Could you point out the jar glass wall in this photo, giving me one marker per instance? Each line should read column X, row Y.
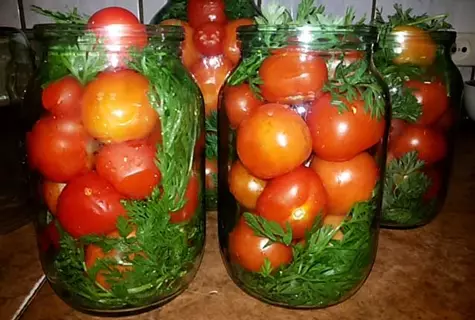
column 300, row 203
column 426, row 90
column 210, row 52
column 117, row 165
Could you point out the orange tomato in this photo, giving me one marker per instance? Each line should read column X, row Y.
column 231, row 47
column 415, row 46
column 115, row 107
column 51, row 192
column 189, row 53
column 295, row 198
column 244, row 186
column 274, row 140
column 347, row 182
column 239, row 102
column 210, row 74
column 291, row 76
column 335, row 222
column 251, row 251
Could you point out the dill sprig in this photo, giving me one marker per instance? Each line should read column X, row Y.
column 69, row 17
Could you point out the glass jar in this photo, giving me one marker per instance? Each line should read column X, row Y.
column 210, row 58
column 120, row 173
column 426, row 89
column 16, row 69
column 299, row 208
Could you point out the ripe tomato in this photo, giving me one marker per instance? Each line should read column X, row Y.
column 432, row 96
column 345, row 58
column 115, row 107
column 435, row 176
column 208, row 39
column 203, row 11
column 291, row 76
column 189, row 53
column 297, row 198
column 272, row 141
column 429, row 143
column 211, row 171
column 95, row 253
column 347, row 182
column 62, row 97
column 335, row 222
column 130, row 168
column 244, row 186
column 89, row 205
column 415, row 46
column 341, row 136
column 60, row 148
column 155, row 136
column 51, row 191
column 397, row 128
column 251, row 251
column 231, row 48
column 192, row 201
column 239, row 102
column 210, row 74
column 446, row 121
column 49, row 237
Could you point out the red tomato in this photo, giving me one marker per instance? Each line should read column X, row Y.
column 210, row 74
column 208, row 39
column 244, row 186
column 435, row 177
column 192, row 201
column 155, row 136
column 203, row 11
column 60, row 148
column 297, row 198
column 335, row 222
column 274, row 140
column 433, row 98
column 430, row 144
column 341, row 136
column 347, row 182
column 251, row 251
column 95, row 253
column 446, row 121
column 211, row 171
column 129, row 167
column 49, row 237
column 232, row 49
column 239, row 102
column 397, row 128
column 89, row 205
column 345, row 58
column 51, row 191
column 292, row 77
column 189, row 53
column 115, row 107
column 414, row 46
column 62, row 97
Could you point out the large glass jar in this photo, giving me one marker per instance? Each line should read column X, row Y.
column 120, row 173
column 299, row 208
column 210, row 52
column 426, row 89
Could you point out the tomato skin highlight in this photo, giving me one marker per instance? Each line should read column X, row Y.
column 292, row 77
column 416, row 46
column 251, row 251
column 51, row 192
column 130, row 168
column 273, row 141
column 203, row 11
column 296, row 198
column 430, row 144
column 340, row 137
column 59, row 148
column 231, row 46
column 211, row 173
column 192, row 202
column 433, row 99
column 244, row 186
column 208, row 39
column 62, row 97
column 347, row 182
column 115, row 107
column 89, row 205
column 239, row 102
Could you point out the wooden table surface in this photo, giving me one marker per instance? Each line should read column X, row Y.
column 426, row 273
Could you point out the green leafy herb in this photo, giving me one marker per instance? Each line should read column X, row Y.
column 404, row 188
column 269, row 229
column 175, row 9
column 69, row 17
column 237, row 9
column 323, row 270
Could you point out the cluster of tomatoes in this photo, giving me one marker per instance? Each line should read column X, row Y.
column 210, row 51
column 95, row 146
column 299, row 155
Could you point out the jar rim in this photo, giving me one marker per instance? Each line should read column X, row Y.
column 51, row 31
column 439, row 36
